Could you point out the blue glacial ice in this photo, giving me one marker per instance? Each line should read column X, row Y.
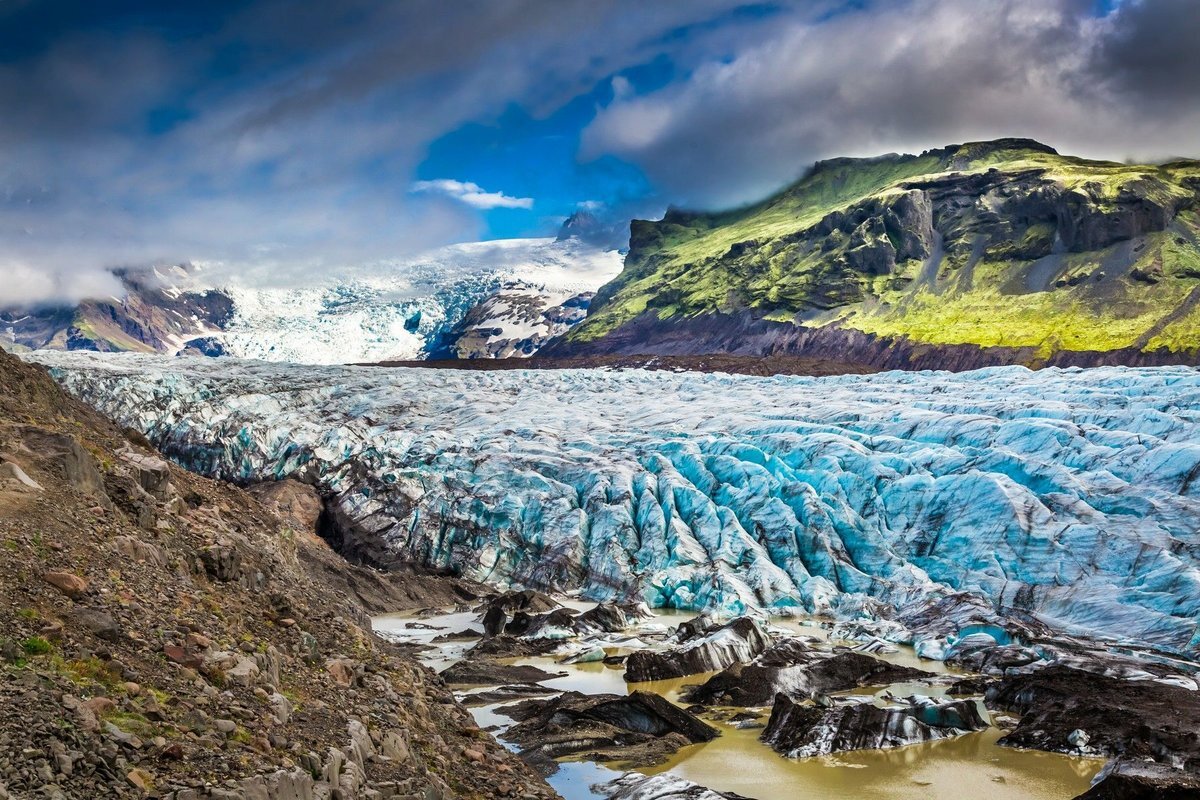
column 1072, row 495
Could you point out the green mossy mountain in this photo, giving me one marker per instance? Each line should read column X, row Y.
column 998, row 252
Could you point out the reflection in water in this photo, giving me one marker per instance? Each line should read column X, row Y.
column 970, row 766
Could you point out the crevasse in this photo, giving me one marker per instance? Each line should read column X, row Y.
column 1070, row 494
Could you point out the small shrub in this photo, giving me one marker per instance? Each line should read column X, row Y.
column 36, row 646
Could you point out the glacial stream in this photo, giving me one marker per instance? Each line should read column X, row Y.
column 972, row 765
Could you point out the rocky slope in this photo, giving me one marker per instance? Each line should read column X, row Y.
column 166, row 635
column 933, row 501
column 515, row 322
column 972, row 255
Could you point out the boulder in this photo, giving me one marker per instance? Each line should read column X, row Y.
column 153, row 474
column 10, row 471
column 792, row 667
column 70, row 584
column 701, row 648
column 641, row 728
column 96, row 622
column 801, row 731
column 140, row 551
column 604, row 618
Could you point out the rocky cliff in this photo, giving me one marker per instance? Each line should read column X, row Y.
column 171, row 636
column 971, row 255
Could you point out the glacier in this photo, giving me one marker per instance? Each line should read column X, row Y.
column 405, row 310
column 1071, row 496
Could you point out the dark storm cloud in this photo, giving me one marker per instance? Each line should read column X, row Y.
column 1150, row 56
column 913, row 74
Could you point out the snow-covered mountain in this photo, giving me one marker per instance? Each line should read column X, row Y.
column 407, row 309
column 1070, row 496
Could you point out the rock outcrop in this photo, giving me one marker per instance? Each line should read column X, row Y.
column 791, row 667
column 800, row 731
column 1131, row 719
column 1140, row 780
column 700, row 646
column 639, row 729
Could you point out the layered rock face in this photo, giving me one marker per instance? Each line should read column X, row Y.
column 966, row 256
column 641, row 728
column 1069, row 495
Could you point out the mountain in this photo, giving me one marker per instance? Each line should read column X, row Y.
column 154, row 315
column 970, row 255
column 411, row 309
column 167, row 635
column 408, row 309
column 516, row 321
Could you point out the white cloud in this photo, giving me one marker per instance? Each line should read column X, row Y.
column 907, row 75
column 28, row 284
column 472, row 194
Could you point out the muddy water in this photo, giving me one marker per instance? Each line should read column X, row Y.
column 968, row 766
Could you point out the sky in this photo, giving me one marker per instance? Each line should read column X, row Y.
column 295, row 136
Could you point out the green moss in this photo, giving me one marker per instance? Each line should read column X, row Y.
column 769, row 258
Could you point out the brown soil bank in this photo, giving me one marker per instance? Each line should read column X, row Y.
column 743, row 335
column 718, row 362
column 170, row 636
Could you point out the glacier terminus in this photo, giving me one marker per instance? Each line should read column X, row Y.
column 1062, row 498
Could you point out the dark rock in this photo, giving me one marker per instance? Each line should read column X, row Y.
column 494, row 621
column 967, row 687
column 700, row 649
column 1140, row 780
column 800, row 731
column 506, row 694
column 533, row 626
column 1144, row 719
column 510, row 647
column 604, row 618
column 793, row 668
column 98, row 623
column 221, row 562
column 485, row 673
column 642, row 728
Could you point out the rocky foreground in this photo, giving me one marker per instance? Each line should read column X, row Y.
column 165, row 635
column 815, row 697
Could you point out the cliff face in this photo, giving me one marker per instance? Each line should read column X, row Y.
column 166, row 635
column 992, row 252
